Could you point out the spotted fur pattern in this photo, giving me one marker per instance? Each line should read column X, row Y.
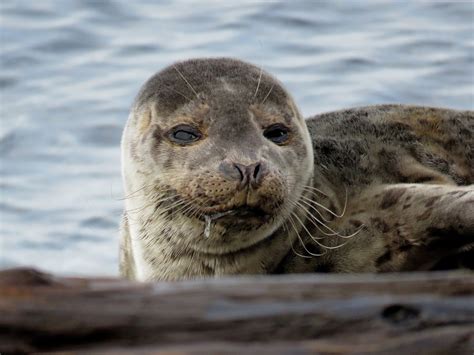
column 408, row 172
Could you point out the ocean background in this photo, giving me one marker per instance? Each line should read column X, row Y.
column 69, row 71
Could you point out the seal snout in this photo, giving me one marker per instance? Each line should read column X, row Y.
column 251, row 174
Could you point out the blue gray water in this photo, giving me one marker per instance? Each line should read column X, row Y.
column 69, row 71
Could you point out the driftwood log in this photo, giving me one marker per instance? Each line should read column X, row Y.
column 412, row 313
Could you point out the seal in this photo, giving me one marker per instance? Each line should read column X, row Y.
column 222, row 176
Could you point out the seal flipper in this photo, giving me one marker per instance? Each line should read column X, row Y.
column 420, row 225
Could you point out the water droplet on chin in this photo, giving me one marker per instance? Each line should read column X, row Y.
column 207, row 228
column 208, row 220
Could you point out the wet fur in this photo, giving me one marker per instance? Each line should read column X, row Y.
column 406, row 171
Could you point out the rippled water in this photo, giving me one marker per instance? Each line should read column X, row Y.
column 70, row 69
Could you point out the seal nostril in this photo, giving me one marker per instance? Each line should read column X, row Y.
column 232, row 171
column 256, row 171
column 239, row 169
column 245, row 174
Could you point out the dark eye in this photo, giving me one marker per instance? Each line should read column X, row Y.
column 184, row 134
column 277, row 133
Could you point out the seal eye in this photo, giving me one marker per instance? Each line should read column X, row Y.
column 277, row 133
column 184, row 134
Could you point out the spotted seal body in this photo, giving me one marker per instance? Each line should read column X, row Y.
column 223, row 176
column 408, row 173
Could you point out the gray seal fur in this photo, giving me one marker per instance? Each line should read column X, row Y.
column 381, row 188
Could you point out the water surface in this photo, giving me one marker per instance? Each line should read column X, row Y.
column 69, row 71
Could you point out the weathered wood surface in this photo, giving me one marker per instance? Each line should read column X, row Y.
column 417, row 313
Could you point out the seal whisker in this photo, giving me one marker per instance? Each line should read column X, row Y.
column 345, row 202
column 153, row 202
column 188, row 210
column 268, row 94
column 307, row 187
column 314, row 220
column 139, row 209
column 315, row 239
column 315, row 209
column 180, row 93
column 290, row 218
column 197, row 209
column 258, row 83
column 334, row 233
column 353, row 234
column 317, row 219
column 329, row 228
column 323, row 207
column 176, row 204
column 310, row 217
column 130, row 195
column 186, row 81
column 299, row 238
column 291, row 244
column 158, row 211
column 196, row 213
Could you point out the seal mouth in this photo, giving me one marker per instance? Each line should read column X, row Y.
column 244, row 212
column 249, row 211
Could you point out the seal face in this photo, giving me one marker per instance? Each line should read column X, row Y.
column 214, row 154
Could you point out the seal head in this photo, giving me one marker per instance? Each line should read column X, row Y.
column 215, row 154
